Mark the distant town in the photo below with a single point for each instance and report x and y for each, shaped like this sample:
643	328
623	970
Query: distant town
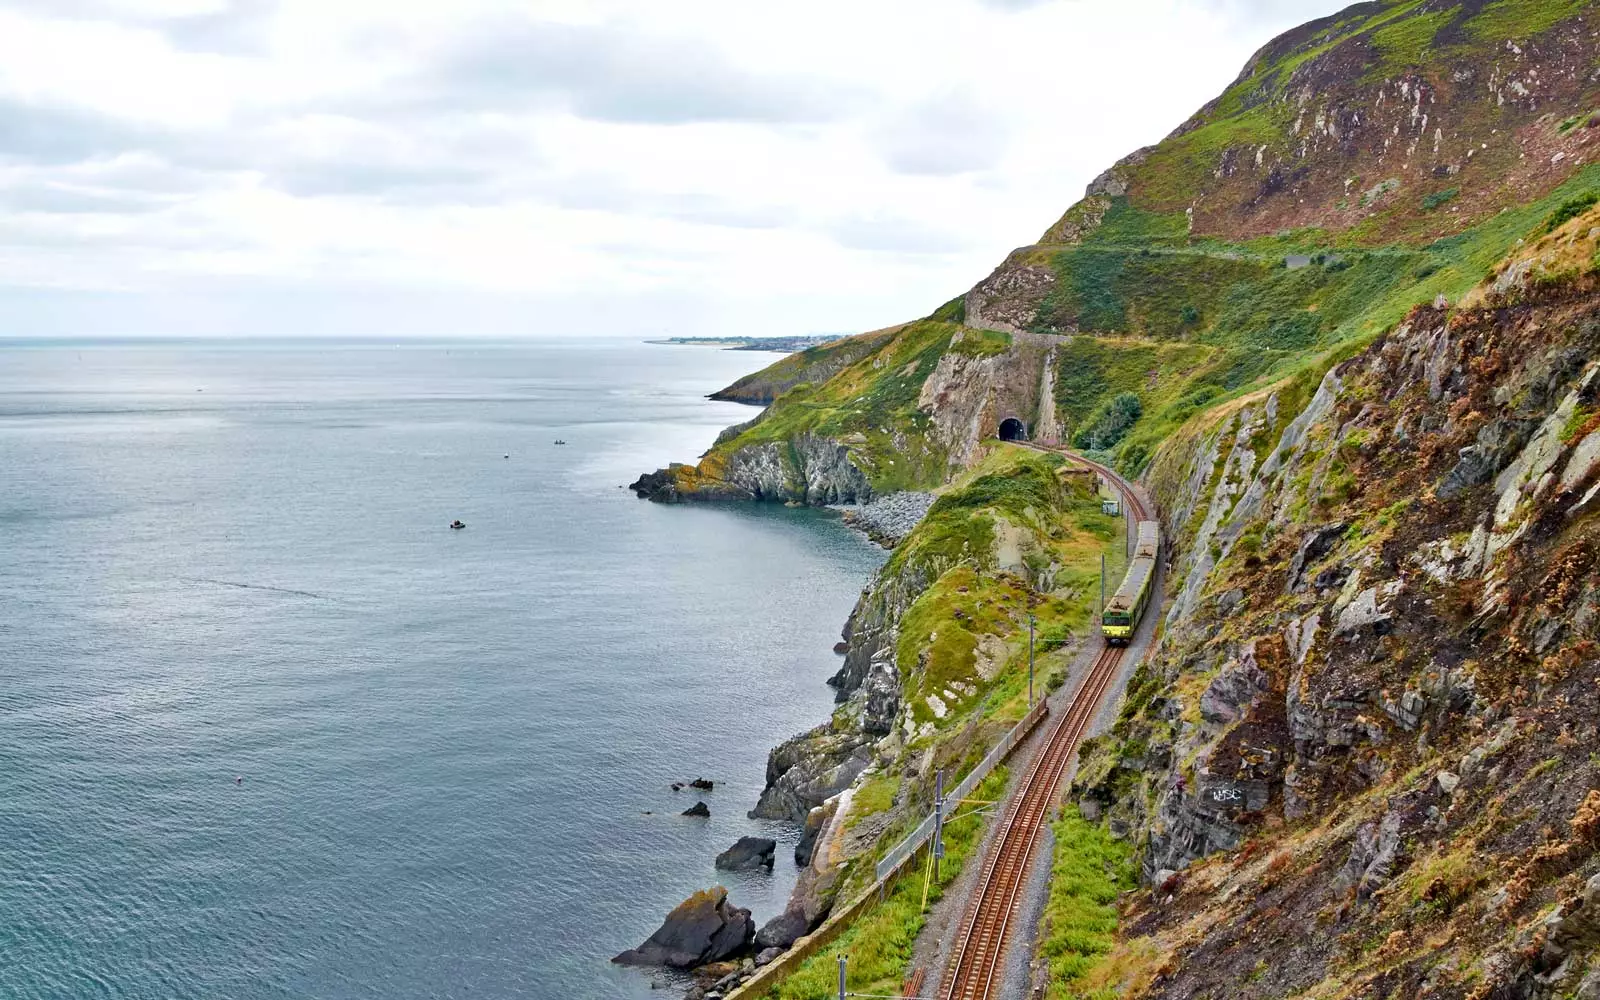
780	345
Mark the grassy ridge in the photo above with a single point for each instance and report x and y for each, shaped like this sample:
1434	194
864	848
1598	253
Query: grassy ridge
1015	536
1218	320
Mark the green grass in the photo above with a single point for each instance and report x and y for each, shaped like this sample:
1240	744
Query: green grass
1571	209
976	343
879	942
876	795
1089	870
1521	19
1406	43
1058	523
1439	198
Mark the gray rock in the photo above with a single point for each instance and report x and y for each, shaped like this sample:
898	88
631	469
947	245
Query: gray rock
1497	444
889	519
805	469
1447	782
805	771
703	928
782	930
1317	543
767	955
748	853
815	820
699	809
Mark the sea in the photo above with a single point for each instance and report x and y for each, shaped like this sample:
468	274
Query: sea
270	728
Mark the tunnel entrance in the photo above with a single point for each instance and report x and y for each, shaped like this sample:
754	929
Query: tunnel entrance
1012	429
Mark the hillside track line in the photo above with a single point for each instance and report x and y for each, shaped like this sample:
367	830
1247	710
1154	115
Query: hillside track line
976	959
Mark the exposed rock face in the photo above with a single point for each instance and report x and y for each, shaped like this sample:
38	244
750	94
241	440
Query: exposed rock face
748	853
968	396
1009	297
807	469
804	771
782	930
1368	700
808	835
703	928
699	809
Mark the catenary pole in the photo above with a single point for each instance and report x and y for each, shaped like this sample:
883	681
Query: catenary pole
1030	659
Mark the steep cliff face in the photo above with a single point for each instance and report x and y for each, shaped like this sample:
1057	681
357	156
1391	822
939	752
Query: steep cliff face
1378	690
906	409
804	469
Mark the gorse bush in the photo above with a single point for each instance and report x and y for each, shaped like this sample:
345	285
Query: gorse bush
1438	198
1109	424
1571	209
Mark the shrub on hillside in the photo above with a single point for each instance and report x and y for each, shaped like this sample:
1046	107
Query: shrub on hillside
1107	425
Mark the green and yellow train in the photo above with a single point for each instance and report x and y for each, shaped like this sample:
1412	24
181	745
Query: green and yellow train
1122	613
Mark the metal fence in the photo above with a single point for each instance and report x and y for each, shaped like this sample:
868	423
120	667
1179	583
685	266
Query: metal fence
916	838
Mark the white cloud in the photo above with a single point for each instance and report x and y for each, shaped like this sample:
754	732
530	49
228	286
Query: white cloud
362	166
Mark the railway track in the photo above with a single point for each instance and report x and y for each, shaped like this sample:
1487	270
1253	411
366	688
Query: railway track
980	947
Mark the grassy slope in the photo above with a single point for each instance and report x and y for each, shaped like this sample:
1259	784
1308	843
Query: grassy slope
1062	534
1089	870
1145	278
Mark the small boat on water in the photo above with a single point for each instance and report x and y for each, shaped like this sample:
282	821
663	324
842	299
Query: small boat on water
457	525
559	441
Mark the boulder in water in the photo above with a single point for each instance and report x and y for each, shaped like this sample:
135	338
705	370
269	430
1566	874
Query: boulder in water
703	928
748	853
698	809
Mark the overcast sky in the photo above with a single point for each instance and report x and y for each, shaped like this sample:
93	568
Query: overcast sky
487	167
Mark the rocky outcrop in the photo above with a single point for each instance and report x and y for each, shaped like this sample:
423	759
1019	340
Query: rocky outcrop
967	396
1009	297
808	769
1377	711
748	853
703	928
806	469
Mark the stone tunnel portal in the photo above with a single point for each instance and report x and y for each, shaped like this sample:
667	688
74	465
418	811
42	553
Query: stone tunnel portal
1012	429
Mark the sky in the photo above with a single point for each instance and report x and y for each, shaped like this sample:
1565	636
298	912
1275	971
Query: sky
393	168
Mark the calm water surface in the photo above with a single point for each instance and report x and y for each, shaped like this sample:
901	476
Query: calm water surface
226	562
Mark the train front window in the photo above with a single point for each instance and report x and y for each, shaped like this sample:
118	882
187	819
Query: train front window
1115	619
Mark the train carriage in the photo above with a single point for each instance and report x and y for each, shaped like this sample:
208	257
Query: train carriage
1127	605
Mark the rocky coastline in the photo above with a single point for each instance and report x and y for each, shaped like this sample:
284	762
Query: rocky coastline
809	777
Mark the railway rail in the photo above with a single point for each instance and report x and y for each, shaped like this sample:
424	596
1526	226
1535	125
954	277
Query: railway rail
976	961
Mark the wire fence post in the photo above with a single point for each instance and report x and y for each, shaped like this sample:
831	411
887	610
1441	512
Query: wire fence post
938	822
1030	659
1102	587
842	961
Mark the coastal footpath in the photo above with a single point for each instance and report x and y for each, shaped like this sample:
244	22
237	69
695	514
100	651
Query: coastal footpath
1342	323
